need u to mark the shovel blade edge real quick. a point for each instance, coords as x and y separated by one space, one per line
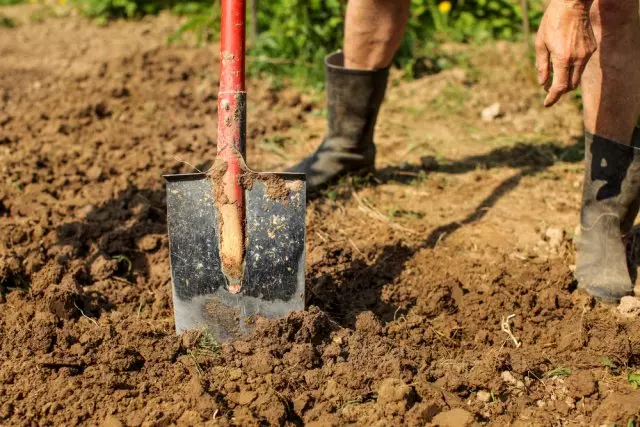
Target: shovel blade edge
274 270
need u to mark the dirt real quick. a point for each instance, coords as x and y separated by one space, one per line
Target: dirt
409 273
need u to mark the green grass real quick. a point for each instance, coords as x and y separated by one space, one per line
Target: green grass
559 372
634 379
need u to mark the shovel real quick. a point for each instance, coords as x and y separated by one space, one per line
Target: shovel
236 237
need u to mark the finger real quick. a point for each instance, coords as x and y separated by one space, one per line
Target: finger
542 62
576 74
560 86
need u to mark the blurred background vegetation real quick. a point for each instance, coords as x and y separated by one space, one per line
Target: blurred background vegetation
289 38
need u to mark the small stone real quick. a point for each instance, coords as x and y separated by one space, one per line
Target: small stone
554 237
629 306
483 396
508 378
149 243
454 418
492 112
94 173
246 397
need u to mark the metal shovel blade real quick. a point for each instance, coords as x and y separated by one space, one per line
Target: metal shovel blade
273 282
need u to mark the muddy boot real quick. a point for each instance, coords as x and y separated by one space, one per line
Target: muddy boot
609 206
353 98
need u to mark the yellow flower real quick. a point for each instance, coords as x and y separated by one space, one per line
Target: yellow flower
444 7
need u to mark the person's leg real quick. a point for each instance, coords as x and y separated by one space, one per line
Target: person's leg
611 194
373 32
611 80
356 81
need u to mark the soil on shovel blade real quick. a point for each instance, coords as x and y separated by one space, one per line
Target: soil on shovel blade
440 290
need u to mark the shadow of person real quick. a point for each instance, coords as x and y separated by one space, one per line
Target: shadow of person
358 286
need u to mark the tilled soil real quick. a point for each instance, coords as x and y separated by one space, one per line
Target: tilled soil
439 293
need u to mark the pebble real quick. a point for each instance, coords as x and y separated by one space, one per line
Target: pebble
508 378
492 112
483 396
629 306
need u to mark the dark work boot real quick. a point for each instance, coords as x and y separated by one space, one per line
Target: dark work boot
610 201
353 102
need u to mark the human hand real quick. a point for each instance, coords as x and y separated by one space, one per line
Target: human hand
564 44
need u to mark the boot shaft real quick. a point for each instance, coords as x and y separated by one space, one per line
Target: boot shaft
353 101
612 179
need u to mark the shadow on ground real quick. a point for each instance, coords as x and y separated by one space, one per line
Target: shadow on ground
115 226
358 287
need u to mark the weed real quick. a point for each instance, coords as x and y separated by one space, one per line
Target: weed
558 372
195 361
634 379
275 144
207 342
401 213
613 367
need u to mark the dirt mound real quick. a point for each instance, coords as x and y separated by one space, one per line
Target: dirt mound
437 298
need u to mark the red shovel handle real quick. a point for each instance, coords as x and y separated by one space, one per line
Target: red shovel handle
231 140
232 41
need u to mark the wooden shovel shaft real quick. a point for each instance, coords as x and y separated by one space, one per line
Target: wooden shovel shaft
231 140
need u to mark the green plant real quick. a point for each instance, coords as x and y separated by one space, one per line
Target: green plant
202 20
634 379
208 343
106 10
559 372
295 36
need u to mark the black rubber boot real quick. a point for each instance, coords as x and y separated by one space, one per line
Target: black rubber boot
610 202
353 102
